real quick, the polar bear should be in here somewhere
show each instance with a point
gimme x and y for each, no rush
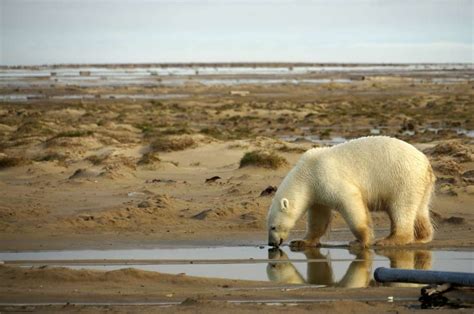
(369, 173)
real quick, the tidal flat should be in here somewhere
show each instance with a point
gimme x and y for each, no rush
(143, 157)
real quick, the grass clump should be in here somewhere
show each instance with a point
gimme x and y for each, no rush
(53, 156)
(229, 134)
(172, 143)
(264, 159)
(291, 149)
(75, 133)
(214, 132)
(97, 159)
(145, 127)
(9, 162)
(149, 158)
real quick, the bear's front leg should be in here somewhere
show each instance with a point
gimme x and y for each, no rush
(318, 222)
(356, 215)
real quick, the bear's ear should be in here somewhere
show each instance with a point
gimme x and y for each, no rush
(285, 204)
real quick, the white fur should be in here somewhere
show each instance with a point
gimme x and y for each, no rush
(369, 173)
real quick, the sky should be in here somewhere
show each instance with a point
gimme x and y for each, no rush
(158, 31)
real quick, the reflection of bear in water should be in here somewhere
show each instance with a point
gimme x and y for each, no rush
(319, 272)
(406, 259)
(358, 274)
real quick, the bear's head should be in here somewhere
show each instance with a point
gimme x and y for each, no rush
(280, 221)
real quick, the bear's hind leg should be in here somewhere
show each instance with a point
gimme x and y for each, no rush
(402, 218)
(423, 228)
(318, 222)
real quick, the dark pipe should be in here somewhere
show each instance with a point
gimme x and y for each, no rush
(383, 274)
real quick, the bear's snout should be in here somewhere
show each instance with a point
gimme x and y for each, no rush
(275, 242)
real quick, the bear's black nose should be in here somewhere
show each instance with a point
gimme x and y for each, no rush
(275, 244)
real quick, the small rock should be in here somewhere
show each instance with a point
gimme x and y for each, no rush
(189, 301)
(144, 204)
(161, 181)
(83, 173)
(455, 220)
(86, 217)
(270, 190)
(212, 179)
(202, 215)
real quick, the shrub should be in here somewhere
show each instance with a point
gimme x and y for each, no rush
(75, 133)
(149, 158)
(96, 159)
(8, 162)
(144, 127)
(51, 157)
(259, 158)
(172, 143)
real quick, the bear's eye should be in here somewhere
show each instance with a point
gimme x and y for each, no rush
(273, 228)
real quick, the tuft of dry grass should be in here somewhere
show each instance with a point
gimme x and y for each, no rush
(51, 156)
(97, 159)
(149, 158)
(264, 159)
(291, 149)
(172, 143)
(9, 162)
(75, 133)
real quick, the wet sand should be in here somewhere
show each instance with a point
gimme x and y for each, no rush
(127, 172)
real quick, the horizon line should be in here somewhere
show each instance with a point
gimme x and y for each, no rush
(232, 63)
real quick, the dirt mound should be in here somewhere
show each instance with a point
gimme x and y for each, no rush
(62, 274)
(454, 149)
(212, 214)
(146, 214)
(447, 167)
(83, 173)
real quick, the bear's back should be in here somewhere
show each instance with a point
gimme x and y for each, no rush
(375, 163)
(367, 152)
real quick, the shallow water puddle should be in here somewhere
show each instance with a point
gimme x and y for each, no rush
(334, 266)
